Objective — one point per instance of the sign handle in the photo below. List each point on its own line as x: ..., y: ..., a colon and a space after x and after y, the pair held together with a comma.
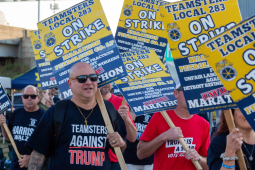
x: 124, y: 102
x: 109, y: 127
x: 231, y: 125
x: 181, y: 140
x: 12, y: 141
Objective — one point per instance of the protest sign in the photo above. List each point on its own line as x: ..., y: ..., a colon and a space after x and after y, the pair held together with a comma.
x: 148, y: 88
x: 188, y: 24
x: 81, y: 34
x: 5, y: 102
x: 44, y: 68
x: 232, y: 57
x: 140, y: 27
x: 115, y: 89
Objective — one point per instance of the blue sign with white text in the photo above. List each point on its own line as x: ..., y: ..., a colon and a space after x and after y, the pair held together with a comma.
x: 5, y: 102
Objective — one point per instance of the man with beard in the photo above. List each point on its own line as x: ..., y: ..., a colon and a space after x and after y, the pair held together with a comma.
x: 125, y: 114
x: 22, y: 124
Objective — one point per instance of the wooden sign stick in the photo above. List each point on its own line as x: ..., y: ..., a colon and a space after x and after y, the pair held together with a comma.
x: 109, y: 127
x: 124, y: 102
x: 231, y: 125
x: 12, y: 141
x: 181, y: 140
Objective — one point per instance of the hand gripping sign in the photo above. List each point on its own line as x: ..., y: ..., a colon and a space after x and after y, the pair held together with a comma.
x: 81, y: 34
x: 44, y: 68
x: 140, y: 27
x: 188, y: 24
x: 148, y: 88
x: 5, y: 104
x: 232, y: 57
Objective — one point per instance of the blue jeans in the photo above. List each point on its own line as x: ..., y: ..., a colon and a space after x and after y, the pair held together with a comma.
x: 115, y: 166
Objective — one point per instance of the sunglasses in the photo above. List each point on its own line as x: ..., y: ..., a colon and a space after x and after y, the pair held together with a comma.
x: 32, y: 96
x: 83, y: 78
x: 179, y: 89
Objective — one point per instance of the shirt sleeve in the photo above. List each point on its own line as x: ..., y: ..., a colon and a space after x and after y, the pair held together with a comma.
x: 150, y: 131
x: 216, y: 148
x: 42, y: 138
x: 10, y: 121
x: 205, y: 145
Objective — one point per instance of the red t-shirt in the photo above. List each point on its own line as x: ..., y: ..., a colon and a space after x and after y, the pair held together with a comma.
x: 196, y: 132
x: 116, y: 101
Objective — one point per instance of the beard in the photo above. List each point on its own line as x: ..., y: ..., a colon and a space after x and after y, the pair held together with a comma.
x: 104, y: 91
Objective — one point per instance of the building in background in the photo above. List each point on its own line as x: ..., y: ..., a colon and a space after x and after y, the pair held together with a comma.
x: 15, y: 44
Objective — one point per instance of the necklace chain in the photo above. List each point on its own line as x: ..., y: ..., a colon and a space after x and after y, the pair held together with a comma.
x: 250, y: 157
x: 86, y: 122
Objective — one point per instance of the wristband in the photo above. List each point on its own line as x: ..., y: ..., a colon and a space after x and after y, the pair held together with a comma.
x: 228, y: 167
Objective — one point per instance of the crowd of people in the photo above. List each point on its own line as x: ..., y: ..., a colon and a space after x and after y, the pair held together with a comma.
x: 80, y: 139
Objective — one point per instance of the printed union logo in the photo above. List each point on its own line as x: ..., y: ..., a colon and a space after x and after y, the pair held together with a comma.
x: 50, y: 39
x: 37, y: 45
x: 228, y: 73
x: 128, y: 10
x: 174, y: 31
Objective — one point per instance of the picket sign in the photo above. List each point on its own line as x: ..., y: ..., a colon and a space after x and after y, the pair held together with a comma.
x: 12, y: 141
x: 109, y: 127
x: 231, y: 125
x: 182, y: 142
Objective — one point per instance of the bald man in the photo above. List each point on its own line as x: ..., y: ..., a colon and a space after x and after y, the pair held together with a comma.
x: 22, y: 124
x: 84, y: 141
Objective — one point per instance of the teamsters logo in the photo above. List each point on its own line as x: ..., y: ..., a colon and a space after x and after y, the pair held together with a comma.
x: 50, y: 39
x: 37, y: 45
x: 227, y: 72
x: 128, y: 10
x: 146, y: 118
x: 174, y: 31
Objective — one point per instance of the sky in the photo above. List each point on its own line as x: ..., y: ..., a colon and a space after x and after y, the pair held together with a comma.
x: 24, y: 14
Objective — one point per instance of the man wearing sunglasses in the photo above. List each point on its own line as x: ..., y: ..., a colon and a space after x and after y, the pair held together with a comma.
x: 84, y: 141
x: 22, y: 124
x: 161, y: 140
x: 125, y: 114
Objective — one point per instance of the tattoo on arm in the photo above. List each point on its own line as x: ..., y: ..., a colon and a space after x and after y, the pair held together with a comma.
x: 36, y: 161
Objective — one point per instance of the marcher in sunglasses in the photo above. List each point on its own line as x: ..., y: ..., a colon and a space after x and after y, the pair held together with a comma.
x: 83, y: 138
x: 22, y: 124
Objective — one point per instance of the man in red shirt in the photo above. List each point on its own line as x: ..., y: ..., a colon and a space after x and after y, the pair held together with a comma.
x: 160, y: 139
x: 125, y: 114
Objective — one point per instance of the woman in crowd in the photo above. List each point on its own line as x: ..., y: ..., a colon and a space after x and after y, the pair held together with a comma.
x: 45, y: 99
x: 221, y: 153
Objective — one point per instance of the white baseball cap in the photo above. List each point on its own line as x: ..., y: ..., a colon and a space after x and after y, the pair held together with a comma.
x: 178, y: 84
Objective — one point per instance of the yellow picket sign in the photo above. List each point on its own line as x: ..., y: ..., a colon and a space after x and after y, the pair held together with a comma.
x: 72, y: 28
x: 232, y: 57
x: 191, y: 23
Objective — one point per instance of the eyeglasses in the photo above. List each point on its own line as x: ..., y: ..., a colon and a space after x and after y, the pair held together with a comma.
x: 83, y: 78
x: 32, y: 96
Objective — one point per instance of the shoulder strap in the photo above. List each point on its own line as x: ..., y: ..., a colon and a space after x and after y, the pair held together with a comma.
x: 112, y: 114
x: 58, y: 118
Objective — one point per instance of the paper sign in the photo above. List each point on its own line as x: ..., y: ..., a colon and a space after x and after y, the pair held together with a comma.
x: 44, y: 68
x: 81, y: 34
x: 140, y: 27
x: 5, y: 102
x: 148, y: 88
x: 232, y: 57
x: 189, y: 24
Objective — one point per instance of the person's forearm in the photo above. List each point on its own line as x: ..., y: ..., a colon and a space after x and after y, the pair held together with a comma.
x: 203, y: 163
x: 123, y: 147
x: 146, y: 149
x: 36, y: 161
x: 131, y: 130
x: 4, y: 133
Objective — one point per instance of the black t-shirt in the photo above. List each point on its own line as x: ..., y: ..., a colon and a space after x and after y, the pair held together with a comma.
x: 22, y: 124
x: 79, y: 146
x: 218, y: 146
x: 130, y: 154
